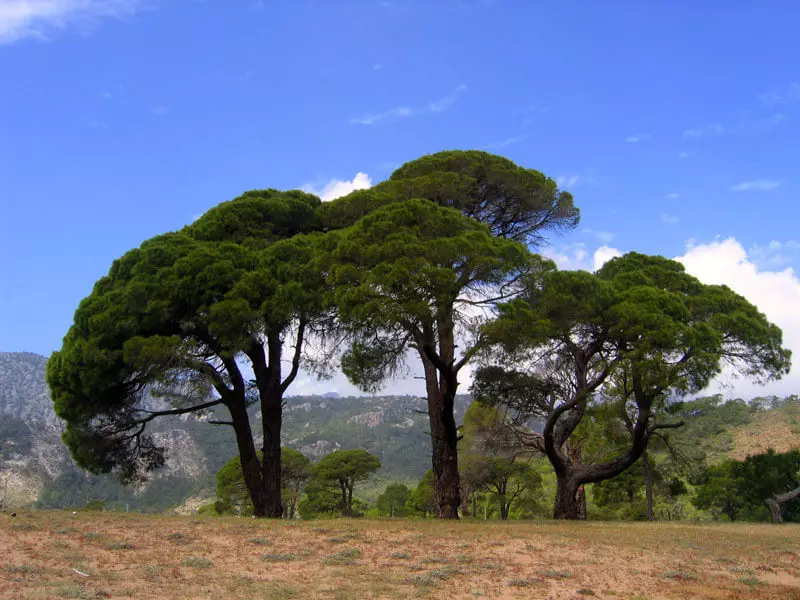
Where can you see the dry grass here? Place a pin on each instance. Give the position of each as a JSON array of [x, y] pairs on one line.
[[770, 429], [149, 557]]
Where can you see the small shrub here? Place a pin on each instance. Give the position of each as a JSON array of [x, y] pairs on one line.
[[25, 527], [279, 557], [177, 538], [681, 576], [121, 546], [751, 581], [197, 562], [345, 537], [401, 555], [92, 536], [586, 592], [523, 582], [553, 574], [21, 569], [260, 541], [435, 560], [345, 557]]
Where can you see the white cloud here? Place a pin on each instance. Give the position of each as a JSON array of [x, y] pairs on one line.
[[604, 254], [639, 137], [507, 142], [775, 293], [673, 196], [756, 185], [21, 19], [336, 188], [160, 110], [401, 112], [781, 94], [686, 154], [377, 67], [739, 127], [567, 181], [670, 219], [775, 255]]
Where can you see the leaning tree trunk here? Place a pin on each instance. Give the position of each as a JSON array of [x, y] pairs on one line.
[[775, 503], [648, 487], [568, 503]]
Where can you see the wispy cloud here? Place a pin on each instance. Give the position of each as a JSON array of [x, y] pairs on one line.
[[507, 142], [756, 185], [737, 128], [336, 187], [776, 254], [781, 94], [567, 181], [603, 237], [670, 219], [21, 19], [402, 112], [686, 154], [639, 137], [673, 196], [160, 110]]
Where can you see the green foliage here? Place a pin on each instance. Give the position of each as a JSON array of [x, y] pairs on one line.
[[489, 463], [233, 496], [392, 502], [421, 501], [169, 322], [613, 346], [343, 469], [514, 202], [738, 489]]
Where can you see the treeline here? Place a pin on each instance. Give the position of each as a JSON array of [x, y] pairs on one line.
[[685, 476], [435, 265]]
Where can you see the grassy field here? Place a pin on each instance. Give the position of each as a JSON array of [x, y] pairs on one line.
[[107, 555]]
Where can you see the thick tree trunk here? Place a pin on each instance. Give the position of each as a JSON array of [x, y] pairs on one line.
[[272, 416], [444, 442], [648, 487], [582, 503], [251, 467], [504, 509], [774, 510], [775, 503], [568, 503]]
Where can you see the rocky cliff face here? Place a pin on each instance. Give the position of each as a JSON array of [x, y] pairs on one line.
[[31, 452], [35, 465]]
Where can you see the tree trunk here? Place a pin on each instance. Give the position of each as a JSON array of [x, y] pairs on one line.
[[568, 504], [251, 467], [444, 441], [474, 504], [504, 509], [648, 487], [775, 503], [581, 496], [774, 510], [271, 414]]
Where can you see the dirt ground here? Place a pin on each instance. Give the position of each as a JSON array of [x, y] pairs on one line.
[[107, 555]]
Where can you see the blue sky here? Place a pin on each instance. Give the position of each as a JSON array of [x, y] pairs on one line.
[[675, 124]]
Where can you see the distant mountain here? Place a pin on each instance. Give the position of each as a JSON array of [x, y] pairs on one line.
[[35, 465]]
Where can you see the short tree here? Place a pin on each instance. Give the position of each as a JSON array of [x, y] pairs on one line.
[[632, 334], [232, 492], [345, 468], [392, 502]]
